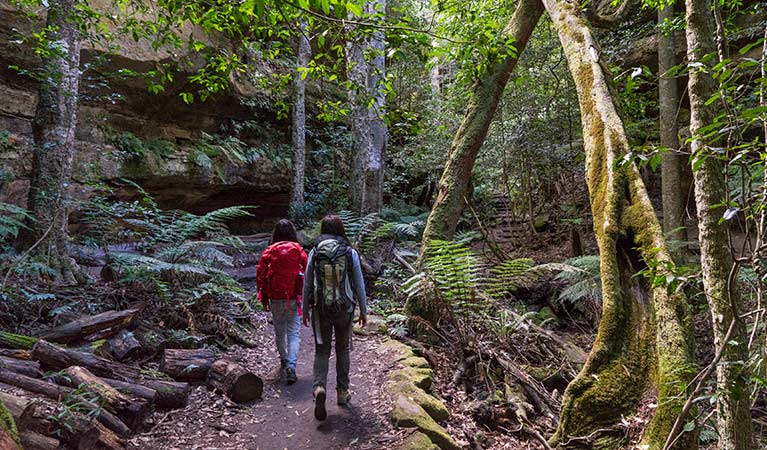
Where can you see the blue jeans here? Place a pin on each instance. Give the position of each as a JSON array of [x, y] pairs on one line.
[[287, 330]]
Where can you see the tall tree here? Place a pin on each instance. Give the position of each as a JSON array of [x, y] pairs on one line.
[[482, 104], [643, 340], [733, 405], [668, 99], [299, 119], [365, 60], [54, 135]]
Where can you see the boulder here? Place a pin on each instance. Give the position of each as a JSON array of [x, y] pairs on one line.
[[422, 378], [417, 441], [433, 406], [408, 414]]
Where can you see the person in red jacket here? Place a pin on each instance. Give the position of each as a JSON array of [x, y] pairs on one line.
[[279, 280]]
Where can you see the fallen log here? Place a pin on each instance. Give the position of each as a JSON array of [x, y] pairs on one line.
[[60, 393], [57, 358], [15, 353], [234, 381], [17, 341], [124, 345], [34, 424], [7, 442], [35, 441], [28, 368], [80, 328], [184, 364], [169, 394], [132, 412]]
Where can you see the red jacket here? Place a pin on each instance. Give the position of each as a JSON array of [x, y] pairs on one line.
[[280, 272]]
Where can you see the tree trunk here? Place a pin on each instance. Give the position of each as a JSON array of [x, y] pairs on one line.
[[124, 346], [77, 330], [672, 193], [483, 101], [486, 93], [54, 134], [642, 328], [28, 368], [733, 405], [187, 364], [299, 120], [376, 75], [132, 412], [359, 116], [58, 358], [234, 381]]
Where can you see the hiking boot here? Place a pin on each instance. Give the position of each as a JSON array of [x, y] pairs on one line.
[[343, 397], [283, 364], [319, 403], [290, 376]]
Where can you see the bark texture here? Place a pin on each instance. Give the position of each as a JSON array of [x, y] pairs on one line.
[[366, 70], [643, 337], [187, 364], [733, 405], [482, 104], [234, 381], [54, 133], [671, 166], [299, 120], [78, 329]]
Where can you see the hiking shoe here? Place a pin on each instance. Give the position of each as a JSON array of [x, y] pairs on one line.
[[319, 403], [343, 397], [290, 376], [283, 363]]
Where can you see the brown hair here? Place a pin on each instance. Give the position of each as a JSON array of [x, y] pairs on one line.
[[332, 224], [284, 231]]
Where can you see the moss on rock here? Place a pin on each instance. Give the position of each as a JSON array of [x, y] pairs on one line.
[[433, 407], [415, 361], [419, 377], [407, 414], [418, 441], [400, 350]]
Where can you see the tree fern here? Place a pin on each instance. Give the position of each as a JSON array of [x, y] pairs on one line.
[[12, 220], [583, 283]]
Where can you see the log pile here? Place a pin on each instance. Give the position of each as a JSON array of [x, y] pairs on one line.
[[113, 397]]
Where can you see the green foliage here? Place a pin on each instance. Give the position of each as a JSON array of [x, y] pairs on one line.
[[12, 220], [583, 284], [131, 148]]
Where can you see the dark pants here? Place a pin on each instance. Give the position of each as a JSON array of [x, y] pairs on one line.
[[324, 328]]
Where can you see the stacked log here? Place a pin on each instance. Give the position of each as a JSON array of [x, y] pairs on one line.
[[189, 365], [124, 345], [234, 381], [80, 329]]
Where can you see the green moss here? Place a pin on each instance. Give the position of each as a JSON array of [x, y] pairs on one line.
[[433, 407], [415, 361], [419, 377], [18, 341], [407, 414], [417, 441], [400, 350], [7, 424]]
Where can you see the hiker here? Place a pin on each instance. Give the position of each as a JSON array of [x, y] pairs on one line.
[[279, 279], [333, 287]]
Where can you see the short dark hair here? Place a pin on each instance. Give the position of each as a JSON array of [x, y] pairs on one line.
[[332, 224], [284, 231]]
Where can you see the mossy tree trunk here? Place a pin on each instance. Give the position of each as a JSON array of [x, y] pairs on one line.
[[374, 170], [54, 135], [733, 404], [483, 102], [668, 101], [643, 339], [299, 121]]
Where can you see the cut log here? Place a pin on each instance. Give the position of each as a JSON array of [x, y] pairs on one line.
[[169, 394], [80, 328], [234, 381], [18, 341], [125, 345], [59, 393], [28, 368], [15, 353], [57, 358], [35, 441], [132, 412], [132, 389], [187, 364]]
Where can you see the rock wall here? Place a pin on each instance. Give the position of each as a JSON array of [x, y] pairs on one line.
[[111, 105]]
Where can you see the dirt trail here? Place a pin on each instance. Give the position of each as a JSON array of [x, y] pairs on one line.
[[284, 418]]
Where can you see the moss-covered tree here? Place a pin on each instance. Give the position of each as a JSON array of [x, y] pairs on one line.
[[482, 104], [299, 119], [643, 340], [733, 403], [54, 138]]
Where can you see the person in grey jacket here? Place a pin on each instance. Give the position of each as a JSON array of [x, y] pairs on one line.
[[329, 303]]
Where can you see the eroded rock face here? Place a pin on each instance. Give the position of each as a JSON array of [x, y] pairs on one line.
[[112, 105]]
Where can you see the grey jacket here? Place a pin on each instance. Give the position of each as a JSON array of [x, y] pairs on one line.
[[358, 285]]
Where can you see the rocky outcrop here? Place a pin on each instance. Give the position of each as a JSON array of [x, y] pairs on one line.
[[111, 105]]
